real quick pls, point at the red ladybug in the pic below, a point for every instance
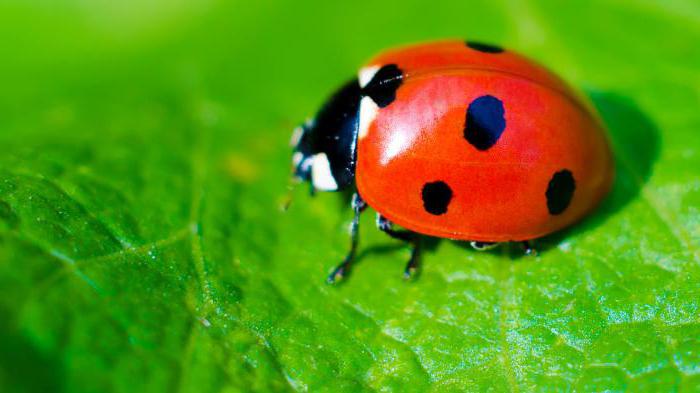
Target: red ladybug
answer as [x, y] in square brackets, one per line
[458, 140]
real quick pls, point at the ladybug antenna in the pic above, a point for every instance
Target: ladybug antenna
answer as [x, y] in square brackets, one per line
[287, 200]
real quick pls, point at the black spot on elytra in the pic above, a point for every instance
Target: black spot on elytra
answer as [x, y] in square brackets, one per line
[560, 191]
[436, 197]
[485, 122]
[382, 88]
[486, 48]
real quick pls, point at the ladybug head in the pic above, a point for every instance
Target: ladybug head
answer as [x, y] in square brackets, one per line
[324, 147]
[302, 159]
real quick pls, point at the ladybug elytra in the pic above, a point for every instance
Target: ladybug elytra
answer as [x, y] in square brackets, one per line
[457, 140]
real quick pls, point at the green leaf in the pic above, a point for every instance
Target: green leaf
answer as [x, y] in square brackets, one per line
[145, 158]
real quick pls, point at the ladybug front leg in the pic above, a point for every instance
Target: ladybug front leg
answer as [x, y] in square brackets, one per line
[358, 206]
[386, 226]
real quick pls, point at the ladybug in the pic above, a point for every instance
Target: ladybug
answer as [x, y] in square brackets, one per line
[458, 140]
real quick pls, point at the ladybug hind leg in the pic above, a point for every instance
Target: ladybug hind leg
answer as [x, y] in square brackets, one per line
[412, 238]
[340, 271]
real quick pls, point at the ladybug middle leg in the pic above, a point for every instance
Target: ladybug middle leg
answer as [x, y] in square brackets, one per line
[386, 226]
[358, 206]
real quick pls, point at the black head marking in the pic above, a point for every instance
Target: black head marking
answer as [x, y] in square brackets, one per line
[486, 48]
[485, 122]
[560, 191]
[436, 197]
[382, 88]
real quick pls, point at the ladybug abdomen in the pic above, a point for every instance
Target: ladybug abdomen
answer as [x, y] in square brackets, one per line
[478, 154]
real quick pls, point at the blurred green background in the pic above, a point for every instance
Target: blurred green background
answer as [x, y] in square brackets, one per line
[144, 159]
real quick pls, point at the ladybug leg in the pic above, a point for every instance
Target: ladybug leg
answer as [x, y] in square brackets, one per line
[529, 248]
[358, 206]
[413, 263]
[386, 226]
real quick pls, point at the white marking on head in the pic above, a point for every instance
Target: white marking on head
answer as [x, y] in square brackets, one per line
[321, 174]
[296, 159]
[368, 112]
[296, 136]
[366, 74]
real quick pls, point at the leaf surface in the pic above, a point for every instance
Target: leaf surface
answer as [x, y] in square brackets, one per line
[145, 158]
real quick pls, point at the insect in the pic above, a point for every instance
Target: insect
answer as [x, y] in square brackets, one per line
[458, 140]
